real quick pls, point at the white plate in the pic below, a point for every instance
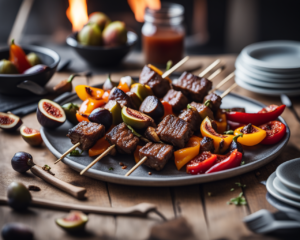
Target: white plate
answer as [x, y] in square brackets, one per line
[289, 174]
[282, 189]
[276, 194]
[267, 91]
[260, 83]
[274, 56]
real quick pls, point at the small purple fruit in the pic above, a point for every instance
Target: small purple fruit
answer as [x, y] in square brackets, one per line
[101, 116]
[22, 162]
[18, 196]
[13, 231]
[36, 69]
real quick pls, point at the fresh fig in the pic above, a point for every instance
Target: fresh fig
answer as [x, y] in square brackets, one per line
[100, 19]
[101, 116]
[108, 84]
[50, 114]
[36, 69]
[90, 35]
[33, 59]
[153, 107]
[136, 119]
[18, 196]
[65, 85]
[7, 67]
[115, 109]
[9, 121]
[31, 136]
[22, 162]
[70, 111]
[14, 231]
[115, 34]
[74, 222]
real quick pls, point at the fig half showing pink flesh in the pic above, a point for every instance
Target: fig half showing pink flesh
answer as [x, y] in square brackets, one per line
[9, 121]
[50, 114]
[31, 136]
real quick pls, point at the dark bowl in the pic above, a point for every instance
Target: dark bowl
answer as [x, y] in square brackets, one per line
[101, 56]
[9, 82]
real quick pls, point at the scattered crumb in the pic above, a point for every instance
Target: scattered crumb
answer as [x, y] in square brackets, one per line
[33, 188]
[257, 173]
[121, 164]
[209, 194]
[124, 167]
[150, 173]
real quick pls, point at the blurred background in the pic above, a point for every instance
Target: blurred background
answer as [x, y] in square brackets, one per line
[212, 26]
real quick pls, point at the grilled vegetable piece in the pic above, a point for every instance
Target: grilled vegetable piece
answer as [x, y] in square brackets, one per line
[203, 110]
[86, 133]
[115, 109]
[151, 134]
[194, 87]
[135, 101]
[176, 99]
[136, 119]
[152, 107]
[142, 91]
[236, 145]
[192, 117]
[215, 101]
[121, 97]
[207, 145]
[174, 130]
[123, 138]
[158, 85]
[157, 155]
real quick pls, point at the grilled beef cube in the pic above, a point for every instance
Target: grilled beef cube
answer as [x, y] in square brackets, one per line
[174, 130]
[192, 117]
[135, 102]
[121, 97]
[123, 138]
[86, 133]
[203, 110]
[192, 86]
[176, 99]
[216, 101]
[207, 145]
[157, 155]
[158, 85]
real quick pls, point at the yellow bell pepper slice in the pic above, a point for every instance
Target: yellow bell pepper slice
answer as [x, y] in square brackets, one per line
[251, 139]
[221, 122]
[184, 155]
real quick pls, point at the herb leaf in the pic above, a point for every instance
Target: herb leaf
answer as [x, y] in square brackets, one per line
[111, 168]
[242, 163]
[232, 189]
[75, 152]
[240, 200]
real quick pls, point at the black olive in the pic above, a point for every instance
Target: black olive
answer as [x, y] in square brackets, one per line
[101, 116]
[13, 231]
[152, 107]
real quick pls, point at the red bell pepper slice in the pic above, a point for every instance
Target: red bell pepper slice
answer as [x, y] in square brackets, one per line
[225, 162]
[275, 132]
[201, 163]
[265, 115]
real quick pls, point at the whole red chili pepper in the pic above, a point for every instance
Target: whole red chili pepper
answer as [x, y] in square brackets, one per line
[18, 57]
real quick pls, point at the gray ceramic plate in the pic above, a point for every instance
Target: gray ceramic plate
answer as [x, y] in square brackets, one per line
[276, 194]
[255, 157]
[289, 174]
[282, 189]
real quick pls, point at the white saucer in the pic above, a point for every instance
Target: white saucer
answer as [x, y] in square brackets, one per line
[274, 56]
[282, 189]
[276, 194]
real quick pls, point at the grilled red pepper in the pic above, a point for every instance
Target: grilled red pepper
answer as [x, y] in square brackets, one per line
[18, 57]
[225, 162]
[263, 116]
[201, 163]
[275, 131]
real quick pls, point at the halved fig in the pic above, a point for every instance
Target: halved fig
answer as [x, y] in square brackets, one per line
[153, 107]
[9, 121]
[50, 114]
[31, 136]
[115, 109]
[75, 221]
[136, 119]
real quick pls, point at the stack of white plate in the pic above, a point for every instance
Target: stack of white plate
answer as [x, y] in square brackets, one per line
[270, 68]
[284, 184]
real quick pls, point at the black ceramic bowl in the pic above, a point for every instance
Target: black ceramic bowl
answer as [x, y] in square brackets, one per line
[9, 82]
[101, 56]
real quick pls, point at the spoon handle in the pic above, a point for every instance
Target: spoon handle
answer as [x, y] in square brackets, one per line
[295, 113]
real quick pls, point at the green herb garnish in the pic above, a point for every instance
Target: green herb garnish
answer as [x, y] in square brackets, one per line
[240, 200]
[111, 169]
[75, 152]
[232, 189]
[229, 132]
[208, 103]
[169, 65]
[242, 163]
[240, 185]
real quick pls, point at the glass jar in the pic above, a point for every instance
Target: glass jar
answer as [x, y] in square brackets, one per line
[163, 34]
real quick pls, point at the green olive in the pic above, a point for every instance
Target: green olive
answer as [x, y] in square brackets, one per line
[70, 111]
[136, 119]
[7, 67]
[115, 109]
[90, 35]
[33, 59]
[141, 91]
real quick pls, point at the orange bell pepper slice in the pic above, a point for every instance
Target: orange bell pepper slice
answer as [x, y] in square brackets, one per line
[221, 122]
[90, 104]
[18, 57]
[100, 146]
[82, 117]
[168, 108]
[84, 92]
[136, 154]
[105, 96]
[159, 72]
[250, 139]
[221, 142]
[186, 154]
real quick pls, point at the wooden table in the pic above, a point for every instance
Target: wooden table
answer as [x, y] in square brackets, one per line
[203, 206]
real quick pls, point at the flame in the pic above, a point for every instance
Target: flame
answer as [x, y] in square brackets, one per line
[77, 14]
[138, 7]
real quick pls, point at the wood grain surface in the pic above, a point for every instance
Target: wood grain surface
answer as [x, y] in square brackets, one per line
[203, 206]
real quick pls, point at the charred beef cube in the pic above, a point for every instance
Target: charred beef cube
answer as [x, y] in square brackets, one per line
[192, 117]
[123, 138]
[192, 86]
[203, 110]
[121, 97]
[135, 102]
[158, 85]
[157, 155]
[174, 130]
[207, 145]
[216, 101]
[86, 133]
[176, 99]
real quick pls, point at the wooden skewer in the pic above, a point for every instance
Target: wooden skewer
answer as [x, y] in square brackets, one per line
[210, 67]
[214, 74]
[229, 90]
[67, 152]
[225, 80]
[106, 152]
[177, 65]
[136, 166]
